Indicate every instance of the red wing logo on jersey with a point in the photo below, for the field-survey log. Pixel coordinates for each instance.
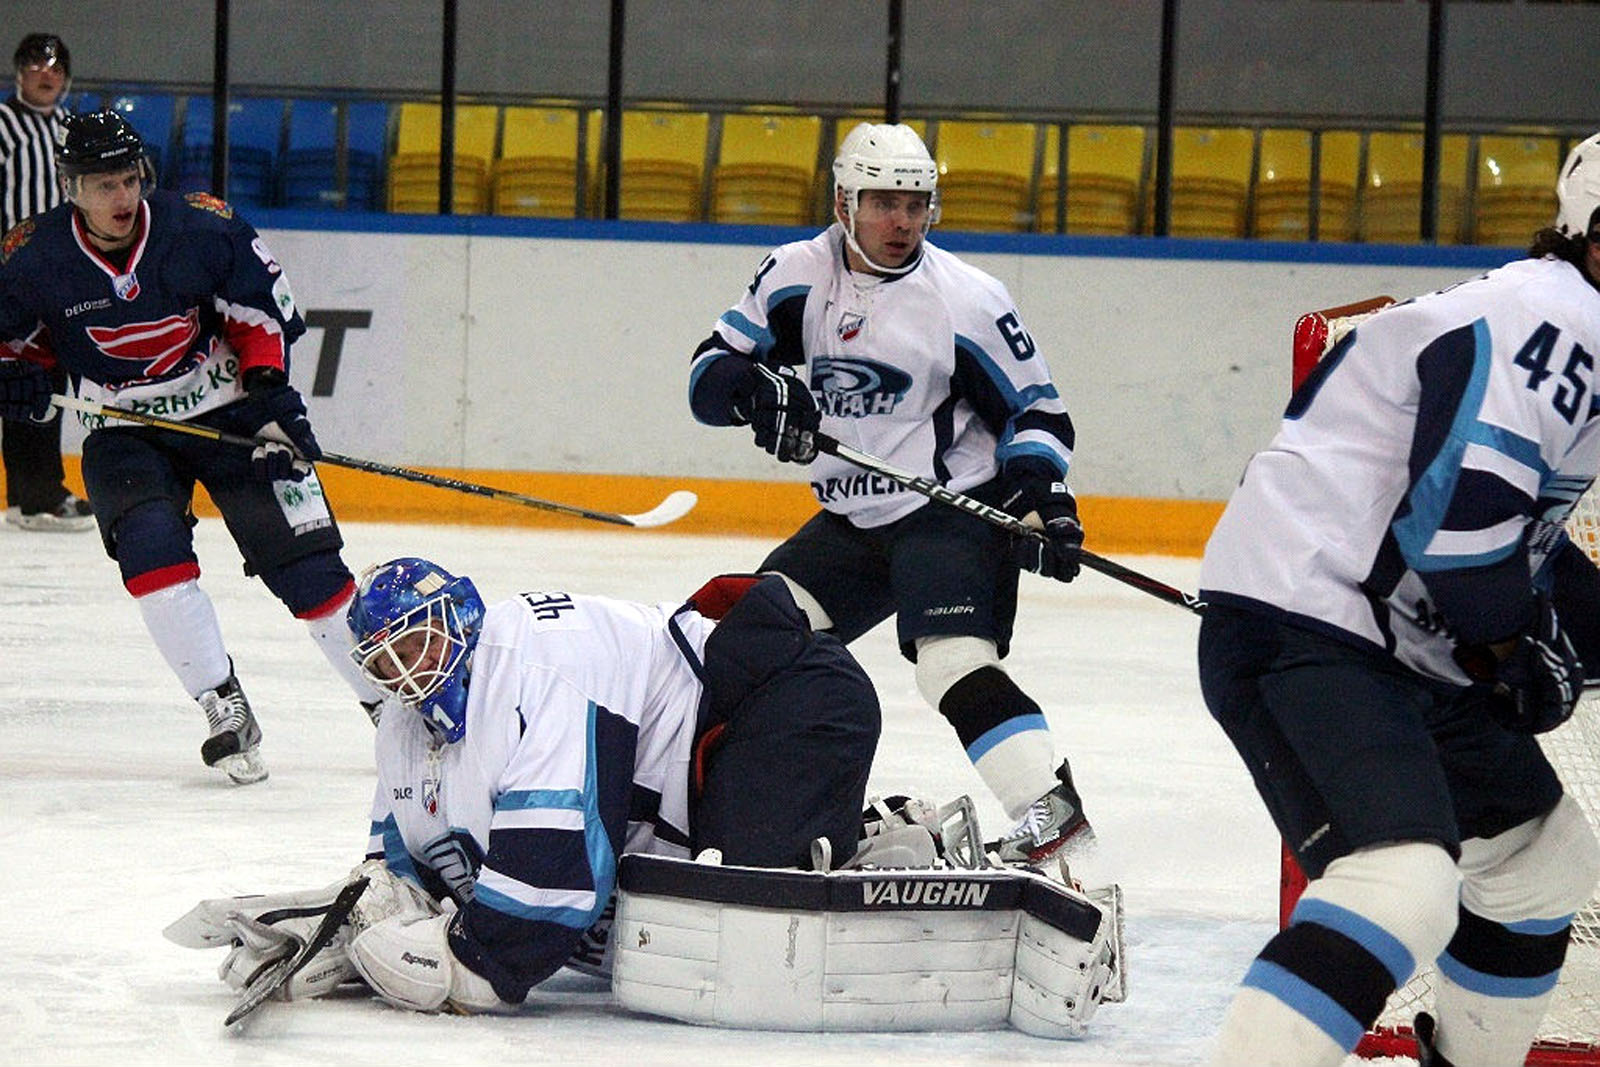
(160, 345)
(15, 239)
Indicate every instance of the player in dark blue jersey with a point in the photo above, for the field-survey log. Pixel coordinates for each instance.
(171, 305)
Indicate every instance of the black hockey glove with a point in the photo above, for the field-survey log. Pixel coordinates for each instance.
(783, 413)
(24, 390)
(1536, 684)
(1035, 494)
(279, 415)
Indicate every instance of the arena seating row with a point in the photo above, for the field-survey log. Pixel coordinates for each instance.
(770, 166)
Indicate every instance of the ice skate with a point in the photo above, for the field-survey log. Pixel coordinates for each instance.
(234, 746)
(71, 515)
(1053, 828)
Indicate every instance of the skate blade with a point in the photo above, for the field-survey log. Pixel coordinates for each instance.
(243, 768)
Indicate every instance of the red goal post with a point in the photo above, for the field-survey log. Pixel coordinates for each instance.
(1570, 1035)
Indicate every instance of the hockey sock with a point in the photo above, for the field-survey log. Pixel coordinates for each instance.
(1005, 735)
(184, 626)
(1498, 974)
(1355, 936)
(332, 634)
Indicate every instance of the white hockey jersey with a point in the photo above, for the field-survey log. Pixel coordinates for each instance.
(581, 715)
(931, 370)
(1439, 446)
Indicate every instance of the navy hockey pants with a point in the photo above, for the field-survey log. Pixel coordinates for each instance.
(789, 726)
(1350, 749)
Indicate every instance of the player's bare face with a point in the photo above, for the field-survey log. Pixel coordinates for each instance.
(889, 226)
(110, 206)
(40, 84)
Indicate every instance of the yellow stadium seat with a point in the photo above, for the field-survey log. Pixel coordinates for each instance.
(766, 169)
(1391, 195)
(663, 165)
(1105, 177)
(986, 175)
(1516, 191)
(1282, 206)
(537, 173)
(1210, 182)
(414, 167)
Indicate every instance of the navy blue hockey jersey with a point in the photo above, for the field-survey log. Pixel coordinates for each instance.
(169, 332)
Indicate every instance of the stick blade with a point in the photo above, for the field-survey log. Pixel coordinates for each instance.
(268, 982)
(677, 504)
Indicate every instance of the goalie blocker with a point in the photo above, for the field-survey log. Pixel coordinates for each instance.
(875, 949)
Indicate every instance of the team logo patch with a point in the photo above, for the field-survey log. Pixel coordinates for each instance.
(207, 202)
(855, 388)
(159, 345)
(850, 325)
(15, 239)
(126, 286)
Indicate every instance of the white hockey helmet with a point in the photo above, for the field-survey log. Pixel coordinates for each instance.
(1578, 189)
(884, 156)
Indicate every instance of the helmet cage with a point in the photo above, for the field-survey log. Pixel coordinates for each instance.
(431, 634)
(414, 626)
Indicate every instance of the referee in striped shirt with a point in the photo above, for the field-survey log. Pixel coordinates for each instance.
(36, 493)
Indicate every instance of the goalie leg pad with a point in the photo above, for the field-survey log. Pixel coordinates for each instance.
(855, 950)
(1060, 980)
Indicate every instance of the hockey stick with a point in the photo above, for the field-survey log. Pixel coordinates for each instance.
(1005, 520)
(676, 505)
(275, 977)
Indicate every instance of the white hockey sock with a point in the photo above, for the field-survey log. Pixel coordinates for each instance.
(1526, 880)
(1477, 1030)
(1357, 933)
(1020, 769)
(184, 626)
(333, 637)
(1262, 1031)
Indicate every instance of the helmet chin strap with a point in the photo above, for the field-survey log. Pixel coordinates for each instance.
(855, 246)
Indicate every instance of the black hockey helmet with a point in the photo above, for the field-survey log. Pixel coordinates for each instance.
(45, 49)
(97, 142)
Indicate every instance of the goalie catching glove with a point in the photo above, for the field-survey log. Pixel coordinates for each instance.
(782, 412)
(263, 930)
(1039, 496)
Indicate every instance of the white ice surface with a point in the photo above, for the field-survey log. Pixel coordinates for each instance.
(116, 827)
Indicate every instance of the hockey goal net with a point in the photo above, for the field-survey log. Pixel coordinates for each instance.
(1571, 1030)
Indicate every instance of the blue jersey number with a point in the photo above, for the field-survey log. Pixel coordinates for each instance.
(1021, 344)
(1576, 374)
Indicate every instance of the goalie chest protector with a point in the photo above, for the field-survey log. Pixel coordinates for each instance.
(877, 949)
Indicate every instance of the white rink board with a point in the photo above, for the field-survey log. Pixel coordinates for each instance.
(571, 355)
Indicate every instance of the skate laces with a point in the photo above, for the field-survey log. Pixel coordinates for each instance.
(226, 708)
(1044, 820)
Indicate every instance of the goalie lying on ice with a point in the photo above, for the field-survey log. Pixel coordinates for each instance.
(548, 736)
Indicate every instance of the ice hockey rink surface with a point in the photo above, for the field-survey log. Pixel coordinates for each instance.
(117, 828)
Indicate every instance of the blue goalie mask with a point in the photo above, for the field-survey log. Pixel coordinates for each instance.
(415, 625)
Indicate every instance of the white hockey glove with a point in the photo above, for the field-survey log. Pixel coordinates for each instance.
(408, 963)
